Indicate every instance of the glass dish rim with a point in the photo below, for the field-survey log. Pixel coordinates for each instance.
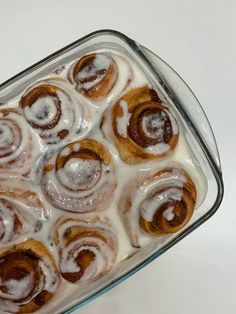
(215, 168)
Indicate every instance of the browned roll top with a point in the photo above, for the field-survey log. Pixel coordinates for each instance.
(143, 127)
(95, 75)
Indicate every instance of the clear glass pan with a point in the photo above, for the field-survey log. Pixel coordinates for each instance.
(198, 133)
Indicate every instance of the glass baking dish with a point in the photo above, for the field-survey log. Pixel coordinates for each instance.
(198, 134)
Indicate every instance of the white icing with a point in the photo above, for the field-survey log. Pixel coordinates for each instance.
(157, 149)
(6, 136)
(68, 265)
(150, 206)
(17, 289)
(89, 85)
(101, 62)
(51, 280)
(9, 307)
(66, 151)
(123, 121)
(43, 110)
(168, 214)
(156, 123)
(77, 173)
(175, 178)
(76, 147)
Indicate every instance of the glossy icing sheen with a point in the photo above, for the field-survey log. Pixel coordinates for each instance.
(79, 185)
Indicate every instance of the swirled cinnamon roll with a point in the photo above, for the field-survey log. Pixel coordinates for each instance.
(87, 249)
(141, 126)
(28, 277)
(159, 204)
(80, 178)
(15, 145)
(53, 111)
(96, 75)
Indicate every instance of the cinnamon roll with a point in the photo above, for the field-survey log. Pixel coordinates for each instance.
(95, 75)
(80, 178)
(159, 204)
(53, 111)
(15, 145)
(28, 277)
(87, 249)
(141, 127)
(98, 74)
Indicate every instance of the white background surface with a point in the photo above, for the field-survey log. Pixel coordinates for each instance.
(198, 38)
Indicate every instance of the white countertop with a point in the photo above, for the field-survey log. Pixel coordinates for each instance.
(198, 38)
